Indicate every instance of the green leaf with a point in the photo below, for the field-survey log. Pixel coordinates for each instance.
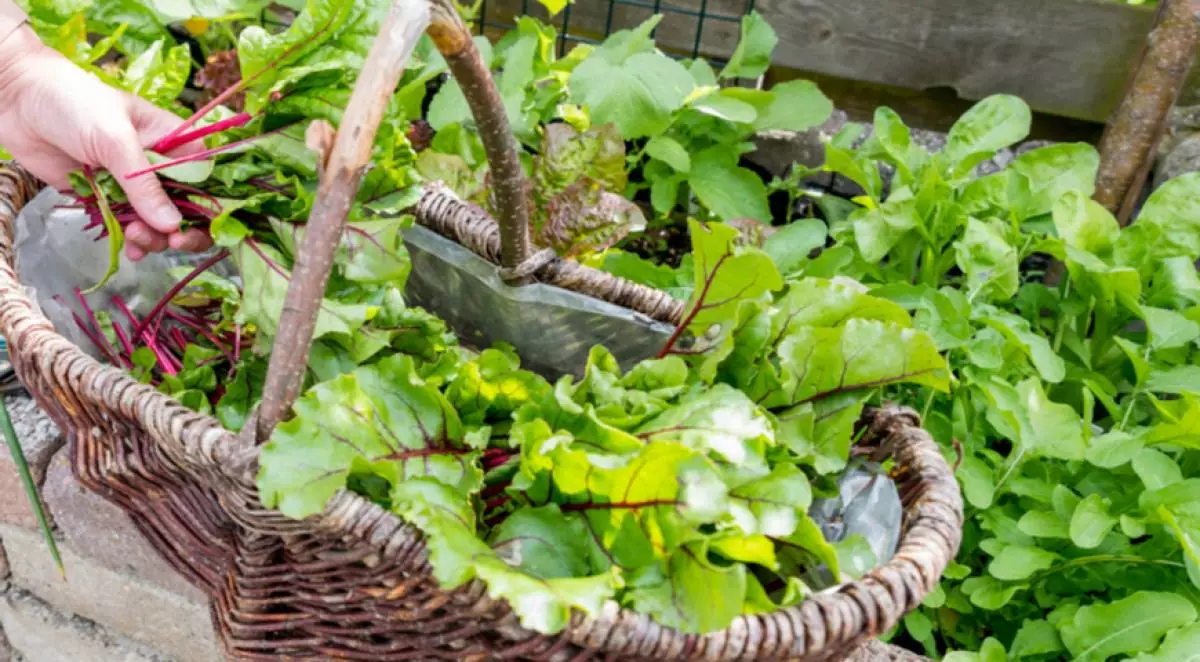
(1177, 380)
(689, 593)
(159, 74)
(265, 286)
(991, 651)
(1042, 524)
(988, 593)
(978, 481)
(1156, 469)
(878, 229)
(795, 105)
(1113, 449)
(1085, 224)
(1018, 562)
(1036, 637)
(1039, 177)
(116, 234)
(382, 419)
(790, 246)
(1167, 226)
(1180, 645)
(1168, 329)
(772, 505)
(373, 251)
(458, 555)
(821, 362)
(17, 456)
(994, 123)
(567, 156)
(555, 6)
(638, 95)
(545, 543)
(1091, 522)
(752, 56)
(263, 56)
(725, 107)
(1135, 624)
(988, 259)
(724, 276)
(722, 420)
(1036, 424)
(669, 151)
(730, 191)
(491, 387)
(1048, 363)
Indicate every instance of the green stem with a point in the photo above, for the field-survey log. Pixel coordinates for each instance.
(31, 490)
(1102, 558)
(1060, 326)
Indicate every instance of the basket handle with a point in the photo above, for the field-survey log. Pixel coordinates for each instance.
(343, 167)
(453, 40)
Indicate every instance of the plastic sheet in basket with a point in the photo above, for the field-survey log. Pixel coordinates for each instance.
(55, 256)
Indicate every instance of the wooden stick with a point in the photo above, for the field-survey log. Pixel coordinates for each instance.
(1129, 141)
(453, 41)
(340, 180)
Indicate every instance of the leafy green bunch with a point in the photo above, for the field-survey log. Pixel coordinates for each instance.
(1075, 402)
(678, 488)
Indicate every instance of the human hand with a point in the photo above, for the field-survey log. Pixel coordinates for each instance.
(56, 118)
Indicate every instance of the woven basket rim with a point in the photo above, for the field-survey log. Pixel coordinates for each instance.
(227, 463)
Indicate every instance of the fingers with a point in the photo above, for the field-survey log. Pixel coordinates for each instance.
(193, 240)
(152, 123)
(141, 235)
(122, 154)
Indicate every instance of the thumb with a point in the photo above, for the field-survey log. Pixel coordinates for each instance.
(121, 154)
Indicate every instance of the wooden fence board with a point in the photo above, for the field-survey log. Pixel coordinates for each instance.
(1065, 57)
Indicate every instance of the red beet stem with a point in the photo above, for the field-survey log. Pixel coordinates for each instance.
(170, 142)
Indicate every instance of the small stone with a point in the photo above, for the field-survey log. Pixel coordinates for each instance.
(1183, 158)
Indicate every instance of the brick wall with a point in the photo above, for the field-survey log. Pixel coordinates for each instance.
(119, 602)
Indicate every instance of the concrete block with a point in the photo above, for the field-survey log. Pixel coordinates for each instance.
(98, 530)
(40, 439)
(39, 633)
(174, 624)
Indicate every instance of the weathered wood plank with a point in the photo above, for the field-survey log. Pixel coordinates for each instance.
(1065, 57)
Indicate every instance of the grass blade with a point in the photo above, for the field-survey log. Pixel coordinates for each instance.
(18, 456)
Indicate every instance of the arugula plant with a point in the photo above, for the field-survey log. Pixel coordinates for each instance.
(1074, 403)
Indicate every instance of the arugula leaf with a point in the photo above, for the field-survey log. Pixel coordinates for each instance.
(991, 124)
(1133, 625)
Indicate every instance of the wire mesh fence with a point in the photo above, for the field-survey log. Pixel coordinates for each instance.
(695, 27)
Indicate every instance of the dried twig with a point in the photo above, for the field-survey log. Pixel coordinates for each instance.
(343, 172)
(1129, 141)
(453, 40)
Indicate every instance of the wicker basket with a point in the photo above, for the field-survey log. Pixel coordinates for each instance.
(354, 582)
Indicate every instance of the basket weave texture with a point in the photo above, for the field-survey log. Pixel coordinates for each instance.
(354, 582)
